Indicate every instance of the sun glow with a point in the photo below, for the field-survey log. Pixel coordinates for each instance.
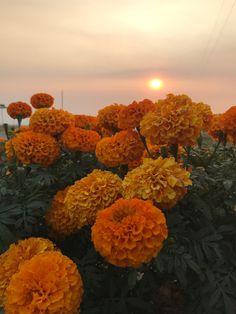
(155, 84)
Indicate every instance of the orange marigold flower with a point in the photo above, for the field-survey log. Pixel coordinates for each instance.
(206, 113)
(130, 232)
(16, 256)
(122, 148)
(92, 193)
(48, 283)
(105, 132)
(131, 115)
(33, 148)
(2, 139)
(108, 116)
(162, 181)
(41, 100)
(58, 218)
(19, 110)
(176, 121)
(77, 139)
(51, 121)
(135, 164)
(216, 126)
(86, 122)
(229, 122)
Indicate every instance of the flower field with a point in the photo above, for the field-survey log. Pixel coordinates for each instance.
(130, 211)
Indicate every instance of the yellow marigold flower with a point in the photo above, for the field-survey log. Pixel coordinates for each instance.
(108, 116)
(206, 113)
(130, 232)
(229, 122)
(86, 122)
(92, 193)
(77, 139)
(51, 121)
(19, 110)
(16, 256)
(58, 218)
(176, 121)
(162, 181)
(216, 126)
(48, 283)
(131, 115)
(41, 100)
(33, 148)
(122, 148)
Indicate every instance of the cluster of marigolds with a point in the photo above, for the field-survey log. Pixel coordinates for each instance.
(126, 215)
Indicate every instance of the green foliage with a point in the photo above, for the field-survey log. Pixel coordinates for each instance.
(194, 273)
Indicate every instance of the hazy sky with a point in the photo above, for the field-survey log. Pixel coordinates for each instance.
(104, 51)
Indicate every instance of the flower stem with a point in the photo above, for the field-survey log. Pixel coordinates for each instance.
(144, 143)
(174, 151)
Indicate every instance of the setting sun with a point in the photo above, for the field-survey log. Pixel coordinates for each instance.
(155, 84)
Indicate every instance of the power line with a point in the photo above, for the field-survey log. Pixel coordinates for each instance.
(213, 29)
(222, 29)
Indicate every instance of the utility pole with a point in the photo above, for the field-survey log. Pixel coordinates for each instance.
(2, 106)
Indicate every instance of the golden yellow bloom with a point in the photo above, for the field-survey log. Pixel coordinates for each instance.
(130, 232)
(206, 113)
(16, 256)
(122, 148)
(91, 194)
(77, 139)
(131, 115)
(229, 122)
(86, 122)
(48, 283)
(59, 220)
(162, 181)
(19, 110)
(216, 126)
(51, 121)
(33, 148)
(41, 100)
(176, 121)
(108, 116)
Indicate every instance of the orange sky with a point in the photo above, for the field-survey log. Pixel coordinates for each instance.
(100, 52)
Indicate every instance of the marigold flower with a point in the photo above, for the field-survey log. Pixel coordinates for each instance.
(51, 121)
(135, 164)
(77, 139)
(41, 100)
(2, 139)
(216, 126)
(105, 132)
(92, 193)
(122, 148)
(205, 112)
(86, 122)
(48, 283)
(229, 122)
(58, 218)
(176, 121)
(23, 128)
(33, 148)
(131, 115)
(16, 256)
(18, 110)
(162, 181)
(130, 232)
(108, 116)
